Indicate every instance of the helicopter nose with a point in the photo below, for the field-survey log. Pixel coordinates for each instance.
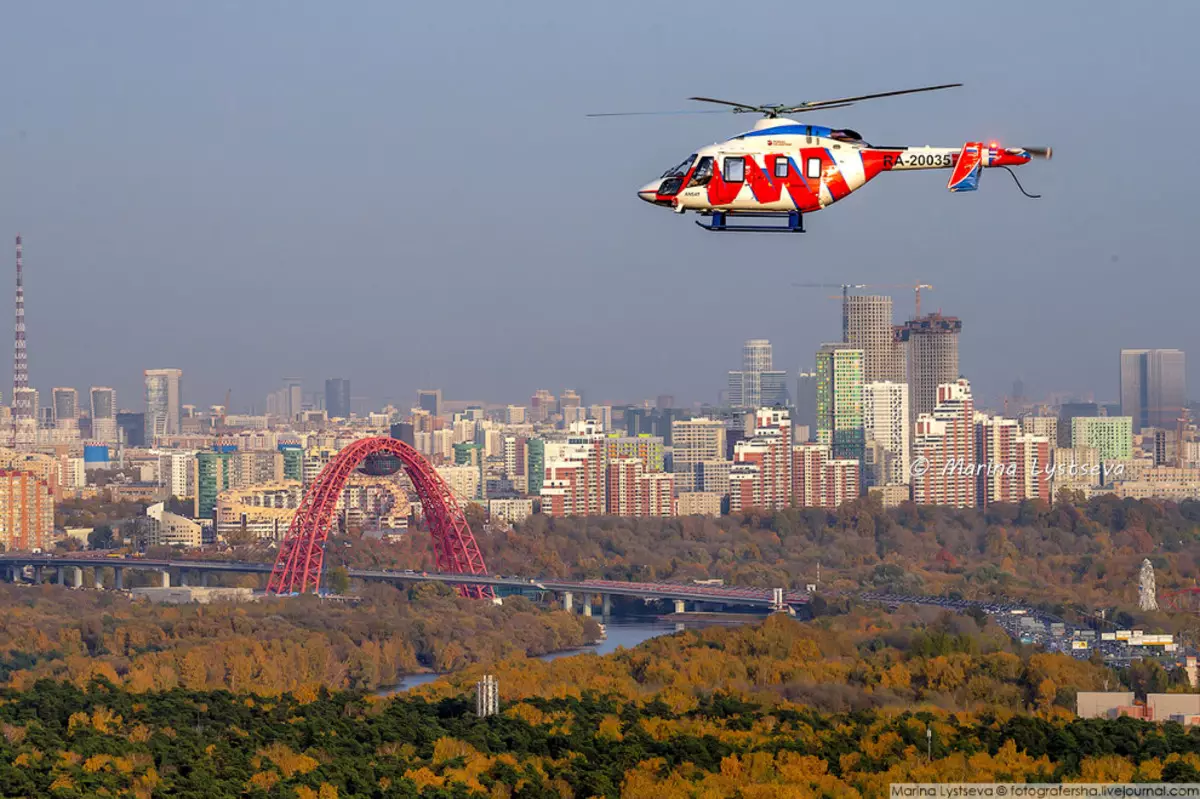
(650, 190)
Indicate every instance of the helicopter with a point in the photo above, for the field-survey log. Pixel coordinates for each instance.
(785, 169)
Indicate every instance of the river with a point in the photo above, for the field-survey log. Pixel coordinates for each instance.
(625, 631)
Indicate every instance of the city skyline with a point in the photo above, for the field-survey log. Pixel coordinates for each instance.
(169, 179)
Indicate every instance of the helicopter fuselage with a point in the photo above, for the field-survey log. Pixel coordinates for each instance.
(785, 166)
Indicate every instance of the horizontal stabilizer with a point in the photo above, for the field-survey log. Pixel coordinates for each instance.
(965, 176)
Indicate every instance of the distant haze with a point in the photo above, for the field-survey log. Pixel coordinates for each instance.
(409, 195)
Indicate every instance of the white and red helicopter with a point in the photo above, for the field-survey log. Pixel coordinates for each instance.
(785, 169)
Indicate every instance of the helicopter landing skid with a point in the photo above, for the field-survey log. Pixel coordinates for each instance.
(719, 223)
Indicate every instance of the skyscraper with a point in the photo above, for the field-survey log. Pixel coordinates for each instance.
(337, 398)
(757, 384)
(869, 328)
(886, 429)
(430, 400)
(164, 392)
(840, 400)
(104, 414)
(1153, 387)
(931, 351)
(806, 402)
(66, 407)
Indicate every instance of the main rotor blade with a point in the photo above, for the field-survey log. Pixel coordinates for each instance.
(742, 106)
(653, 113)
(818, 108)
(841, 100)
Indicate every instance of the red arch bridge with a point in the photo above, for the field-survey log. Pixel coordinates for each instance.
(302, 553)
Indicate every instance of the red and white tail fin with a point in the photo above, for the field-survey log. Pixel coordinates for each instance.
(965, 176)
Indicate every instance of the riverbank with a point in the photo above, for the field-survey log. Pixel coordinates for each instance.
(622, 633)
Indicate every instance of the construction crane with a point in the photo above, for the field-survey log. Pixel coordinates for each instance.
(845, 287)
(917, 288)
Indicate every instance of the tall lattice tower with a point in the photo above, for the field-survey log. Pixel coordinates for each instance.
(22, 405)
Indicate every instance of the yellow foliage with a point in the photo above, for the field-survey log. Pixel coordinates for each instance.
(95, 763)
(610, 727)
(1107, 768)
(139, 734)
(424, 778)
(62, 783)
(264, 780)
(450, 748)
(287, 761)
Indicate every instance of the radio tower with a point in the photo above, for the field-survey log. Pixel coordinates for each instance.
(22, 408)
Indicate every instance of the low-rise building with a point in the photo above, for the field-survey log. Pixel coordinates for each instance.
(699, 503)
(512, 511)
(171, 530)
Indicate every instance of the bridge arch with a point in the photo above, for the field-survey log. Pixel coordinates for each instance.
(302, 552)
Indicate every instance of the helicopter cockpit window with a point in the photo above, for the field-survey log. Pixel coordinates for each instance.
(703, 173)
(681, 170)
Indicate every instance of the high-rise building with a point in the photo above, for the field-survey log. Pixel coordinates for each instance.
(430, 400)
(805, 402)
(623, 477)
(821, 481)
(757, 384)
(655, 495)
(104, 414)
(131, 428)
(1111, 436)
(761, 475)
(288, 402)
(535, 457)
(337, 398)
(944, 462)
(1070, 410)
(602, 414)
(213, 474)
(514, 414)
(931, 353)
(869, 328)
(840, 400)
(26, 511)
(1153, 387)
(568, 401)
(25, 427)
(66, 407)
(695, 441)
(1044, 426)
(1012, 466)
(647, 449)
(164, 402)
(542, 405)
(886, 425)
(575, 476)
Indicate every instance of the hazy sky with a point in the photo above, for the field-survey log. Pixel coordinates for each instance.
(409, 194)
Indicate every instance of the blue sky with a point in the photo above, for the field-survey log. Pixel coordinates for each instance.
(410, 194)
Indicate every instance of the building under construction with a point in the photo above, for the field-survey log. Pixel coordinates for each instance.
(930, 344)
